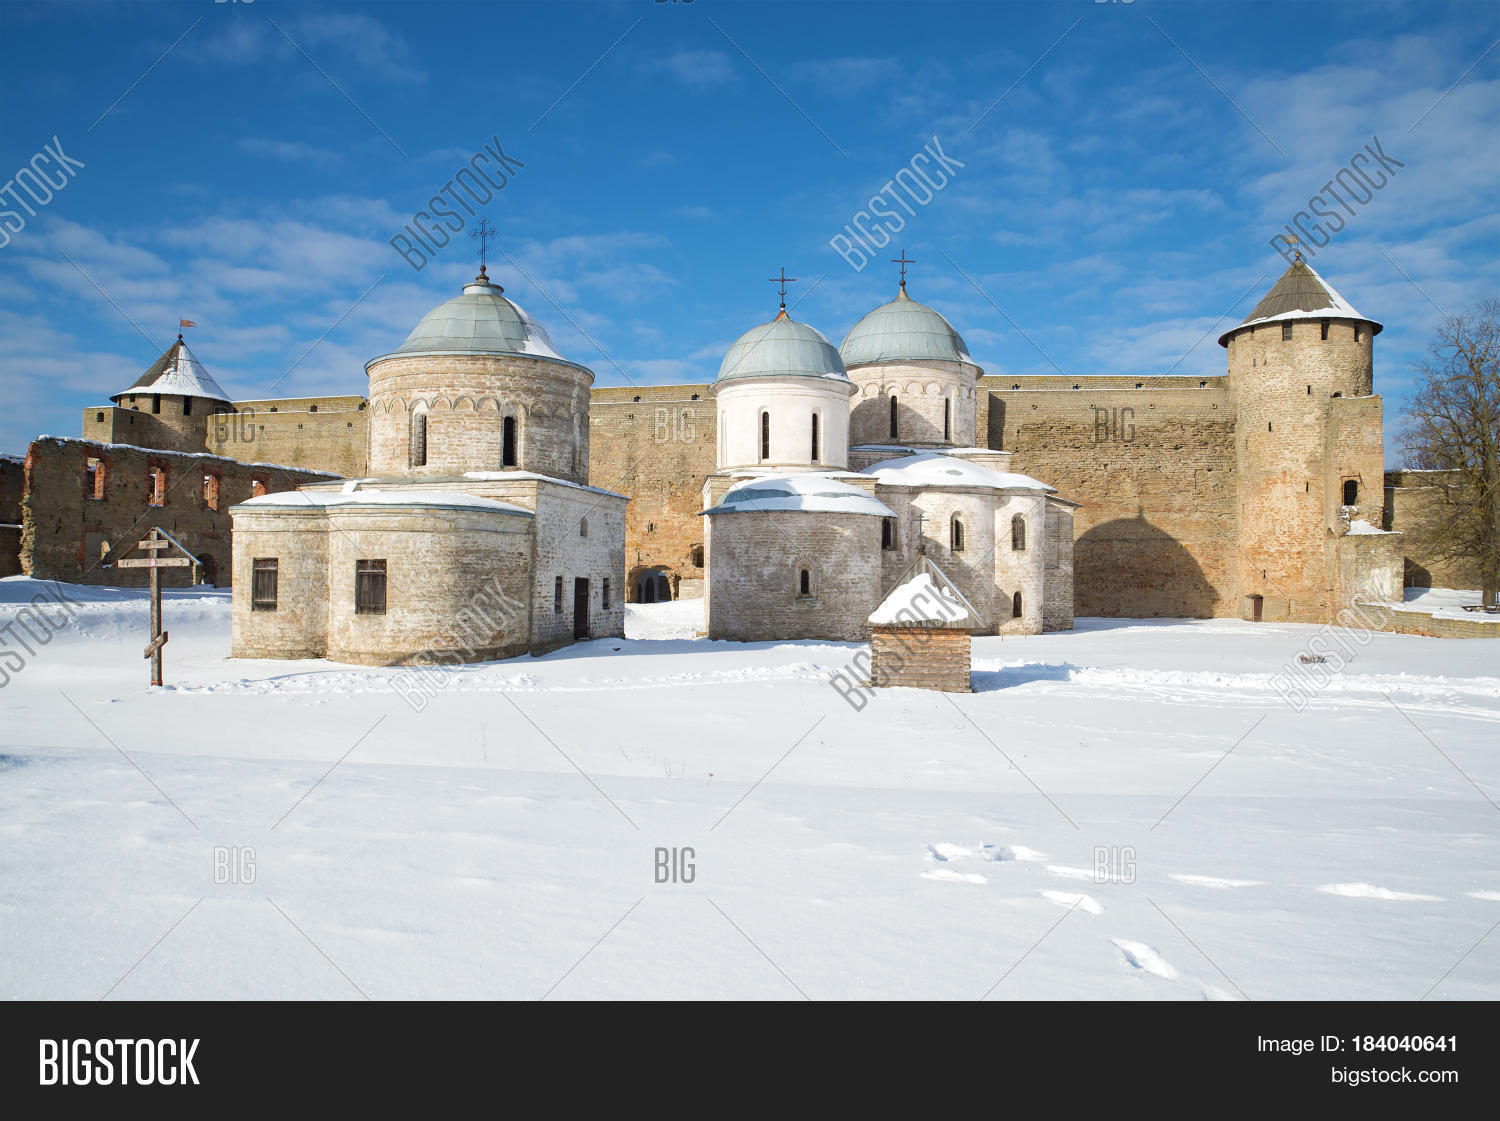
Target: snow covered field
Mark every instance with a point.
(494, 832)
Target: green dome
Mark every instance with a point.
(782, 348)
(903, 331)
(481, 321)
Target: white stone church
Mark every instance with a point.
(839, 467)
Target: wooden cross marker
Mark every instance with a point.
(155, 562)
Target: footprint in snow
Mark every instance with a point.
(1370, 891)
(945, 852)
(1143, 957)
(1213, 881)
(1070, 873)
(952, 877)
(1491, 895)
(1070, 899)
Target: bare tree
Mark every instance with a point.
(1453, 425)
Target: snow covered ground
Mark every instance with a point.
(493, 831)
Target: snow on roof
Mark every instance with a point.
(804, 493)
(345, 497)
(496, 476)
(1361, 528)
(925, 597)
(933, 469)
(205, 456)
(178, 372)
(1300, 293)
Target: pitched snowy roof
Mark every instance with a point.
(177, 372)
(933, 469)
(926, 598)
(1300, 294)
(807, 493)
(351, 496)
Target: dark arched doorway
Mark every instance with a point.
(652, 585)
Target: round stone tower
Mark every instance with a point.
(1307, 443)
(179, 395)
(917, 385)
(477, 386)
(783, 400)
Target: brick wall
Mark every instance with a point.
(317, 433)
(656, 444)
(67, 534)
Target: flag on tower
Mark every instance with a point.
(186, 323)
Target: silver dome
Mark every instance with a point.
(481, 321)
(782, 348)
(901, 331)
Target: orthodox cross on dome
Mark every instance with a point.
(903, 261)
(783, 280)
(482, 234)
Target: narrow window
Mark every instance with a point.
(1286, 331)
(1351, 492)
(508, 442)
(156, 486)
(947, 419)
(765, 436)
(697, 556)
(187, 406)
(583, 527)
(1356, 333)
(814, 439)
(1325, 330)
(369, 587)
(93, 478)
(604, 593)
(804, 583)
(263, 584)
(887, 533)
(257, 487)
(1015, 606)
(312, 408)
(1018, 533)
(419, 437)
(1268, 426)
(99, 418)
(156, 402)
(958, 536)
(1309, 391)
(557, 596)
(894, 426)
(211, 491)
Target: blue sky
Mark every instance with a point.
(1112, 214)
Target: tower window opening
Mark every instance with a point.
(156, 402)
(1268, 426)
(1309, 391)
(1325, 330)
(583, 527)
(1015, 606)
(1356, 333)
(1286, 332)
(765, 436)
(895, 428)
(814, 438)
(1338, 394)
(957, 536)
(187, 406)
(508, 442)
(804, 583)
(1351, 492)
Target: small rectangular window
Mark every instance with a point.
(557, 586)
(156, 402)
(156, 486)
(887, 533)
(1325, 330)
(211, 491)
(604, 592)
(1286, 331)
(369, 587)
(93, 478)
(263, 584)
(187, 406)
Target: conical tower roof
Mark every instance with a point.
(177, 372)
(1300, 294)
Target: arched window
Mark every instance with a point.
(419, 436)
(894, 426)
(697, 556)
(1351, 492)
(765, 436)
(804, 583)
(508, 442)
(814, 438)
(887, 533)
(1015, 606)
(1018, 533)
(958, 535)
(947, 419)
